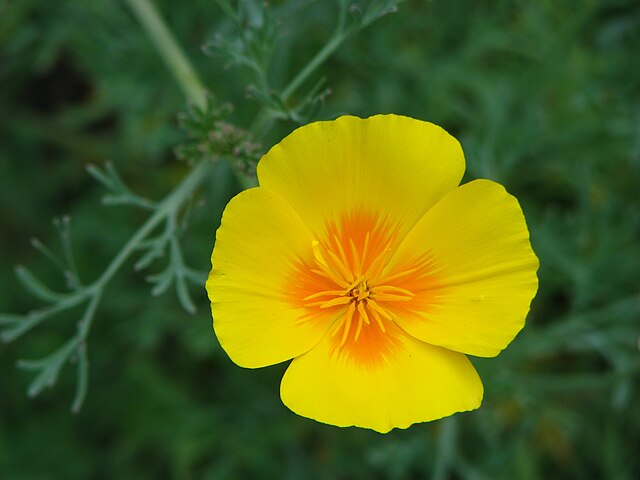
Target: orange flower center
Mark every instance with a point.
(362, 290)
(348, 283)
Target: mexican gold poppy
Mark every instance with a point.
(361, 259)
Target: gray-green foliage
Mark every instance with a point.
(545, 98)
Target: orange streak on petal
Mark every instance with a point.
(370, 346)
(389, 297)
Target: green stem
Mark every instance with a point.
(170, 51)
(265, 116)
(446, 450)
(169, 205)
(332, 45)
(176, 61)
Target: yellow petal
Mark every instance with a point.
(256, 248)
(392, 166)
(411, 382)
(479, 271)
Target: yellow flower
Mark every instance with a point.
(361, 258)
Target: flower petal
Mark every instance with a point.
(395, 166)
(259, 240)
(416, 382)
(481, 271)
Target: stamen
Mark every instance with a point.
(326, 294)
(376, 317)
(317, 254)
(348, 318)
(396, 276)
(353, 284)
(358, 329)
(382, 311)
(343, 256)
(331, 276)
(314, 304)
(359, 291)
(325, 270)
(363, 312)
(389, 289)
(342, 268)
(377, 266)
(389, 297)
(336, 301)
(423, 266)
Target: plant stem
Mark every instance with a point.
(166, 207)
(446, 450)
(331, 46)
(177, 62)
(170, 51)
(265, 116)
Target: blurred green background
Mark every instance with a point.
(543, 95)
